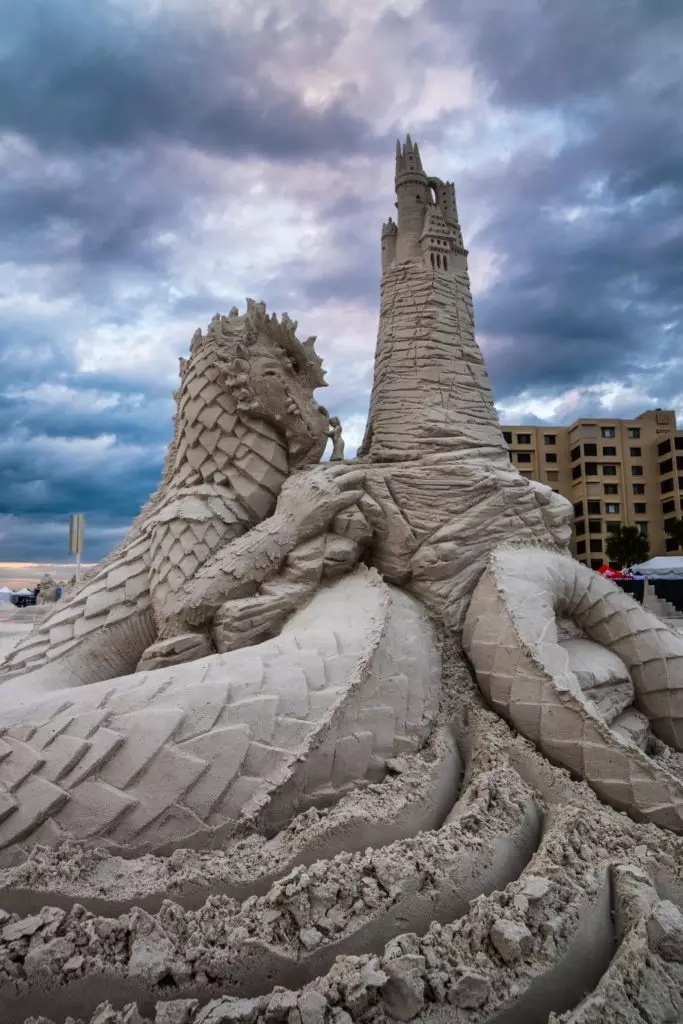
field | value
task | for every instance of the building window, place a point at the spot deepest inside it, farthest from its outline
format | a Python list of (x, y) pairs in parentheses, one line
[(507, 436), (609, 470), (678, 444), (576, 472), (640, 508), (609, 449), (668, 523), (523, 438), (550, 439), (671, 544), (580, 527), (636, 470), (594, 508), (595, 526), (581, 547), (611, 488), (445, 262), (608, 432), (552, 474), (635, 453), (596, 546), (591, 469), (679, 462), (667, 485), (668, 506), (634, 432), (664, 447), (666, 466), (523, 456), (642, 529), (638, 488), (596, 563), (550, 457), (578, 508), (575, 453), (612, 527), (590, 449), (612, 508), (526, 473), (680, 483)]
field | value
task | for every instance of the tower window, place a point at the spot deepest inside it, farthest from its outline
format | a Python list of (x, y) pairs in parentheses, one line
[(432, 256), (445, 263)]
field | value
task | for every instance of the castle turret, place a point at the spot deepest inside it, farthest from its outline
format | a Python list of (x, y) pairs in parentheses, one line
[(389, 236), (412, 194), (431, 392), (436, 240)]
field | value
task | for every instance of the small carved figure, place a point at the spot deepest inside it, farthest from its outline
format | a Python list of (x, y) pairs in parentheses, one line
[(337, 440)]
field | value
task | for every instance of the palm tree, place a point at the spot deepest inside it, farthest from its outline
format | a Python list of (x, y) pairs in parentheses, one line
[(627, 546), (675, 531)]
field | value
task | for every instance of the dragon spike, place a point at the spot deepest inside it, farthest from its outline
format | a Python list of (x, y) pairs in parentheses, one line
[(233, 312), (182, 366)]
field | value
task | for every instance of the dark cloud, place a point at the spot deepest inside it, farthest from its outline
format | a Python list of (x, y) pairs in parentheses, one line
[(590, 228), (103, 75), (130, 130)]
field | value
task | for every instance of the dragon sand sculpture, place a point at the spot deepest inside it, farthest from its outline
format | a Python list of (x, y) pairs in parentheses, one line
[(247, 772)]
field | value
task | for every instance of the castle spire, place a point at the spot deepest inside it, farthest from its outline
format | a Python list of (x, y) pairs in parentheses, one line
[(431, 392)]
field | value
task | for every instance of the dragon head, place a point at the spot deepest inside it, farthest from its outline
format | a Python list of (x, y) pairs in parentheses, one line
[(272, 376)]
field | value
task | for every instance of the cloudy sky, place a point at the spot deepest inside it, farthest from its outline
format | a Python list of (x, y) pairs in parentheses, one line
[(162, 159)]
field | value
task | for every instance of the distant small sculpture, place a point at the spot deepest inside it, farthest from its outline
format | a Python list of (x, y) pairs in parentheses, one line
[(47, 590), (337, 440)]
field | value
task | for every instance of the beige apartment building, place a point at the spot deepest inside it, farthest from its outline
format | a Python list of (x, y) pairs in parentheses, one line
[(613, 471)]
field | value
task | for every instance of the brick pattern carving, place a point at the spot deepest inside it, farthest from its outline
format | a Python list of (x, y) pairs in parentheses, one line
[(253, 736), (511, 639)]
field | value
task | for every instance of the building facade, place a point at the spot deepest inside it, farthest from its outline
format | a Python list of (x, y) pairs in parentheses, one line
[(613, 471)]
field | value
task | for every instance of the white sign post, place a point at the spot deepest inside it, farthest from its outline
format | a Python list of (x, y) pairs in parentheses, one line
[(76, 535)]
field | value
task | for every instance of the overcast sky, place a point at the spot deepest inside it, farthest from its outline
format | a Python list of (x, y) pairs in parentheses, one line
[(162, 159)]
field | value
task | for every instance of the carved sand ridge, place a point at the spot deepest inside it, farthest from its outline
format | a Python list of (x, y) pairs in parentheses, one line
[(511, 638), (534, 947), (331, 826), (231, 741)]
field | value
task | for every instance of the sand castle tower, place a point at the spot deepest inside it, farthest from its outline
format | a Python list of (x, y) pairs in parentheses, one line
[(431, 391)]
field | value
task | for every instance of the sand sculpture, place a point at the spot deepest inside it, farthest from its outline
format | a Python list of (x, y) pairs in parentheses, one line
[(248, 774), (48, 590)]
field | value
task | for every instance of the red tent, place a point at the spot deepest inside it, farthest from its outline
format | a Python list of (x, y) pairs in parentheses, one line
[(611, 574)]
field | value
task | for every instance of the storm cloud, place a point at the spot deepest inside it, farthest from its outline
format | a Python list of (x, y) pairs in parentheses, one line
[(159, 161)]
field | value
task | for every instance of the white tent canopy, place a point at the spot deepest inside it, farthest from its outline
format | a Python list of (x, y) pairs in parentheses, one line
[(662, 567), (24, 593)]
